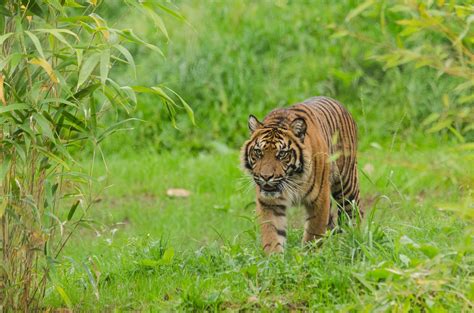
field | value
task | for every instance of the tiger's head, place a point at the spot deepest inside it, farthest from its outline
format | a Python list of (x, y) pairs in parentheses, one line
[(274, 154)]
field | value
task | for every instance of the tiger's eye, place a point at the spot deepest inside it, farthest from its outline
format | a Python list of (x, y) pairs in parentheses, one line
[(282, 154), (258, 152)]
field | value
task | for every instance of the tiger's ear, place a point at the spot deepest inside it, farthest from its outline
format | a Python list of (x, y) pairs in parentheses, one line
[(254, 124), (298, 126)]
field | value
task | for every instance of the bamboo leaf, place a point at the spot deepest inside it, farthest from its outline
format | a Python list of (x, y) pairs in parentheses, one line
[(156, 19), (58, 34), (101, 25), (59, 100), (52, 156), (91, 280), (47, 67), (73, 4), (84, 92), (5, 37), (130, 93), (73, 121), (64, 296), (129, 58), (87, 68), (130, 35), (4, 167), (36, 42), (358, 10), (58, 221), (170, 11), (104, 65), (153, 90), (13, 107), (114, 128), (20, 151), (79, 56), (187, 107), (116, 94), (44, 125), (73, 210)]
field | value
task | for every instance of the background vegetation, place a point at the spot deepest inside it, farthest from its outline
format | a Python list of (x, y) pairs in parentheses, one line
[(403, 69), (252, 57)]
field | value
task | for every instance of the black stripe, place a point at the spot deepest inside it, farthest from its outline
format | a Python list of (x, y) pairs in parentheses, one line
[(274, 207), (279, 121), (347, 166), (341, 193), (299, 108), (350, 131), (324, 112), (311, 187), (247, 155), (269, 244), (281, 232), (321, 124), (278, 209), (302, 111), (331, 107), (328, 118), (322, 182), (312, 234), (311, 217), (348, 192), (300, 151)]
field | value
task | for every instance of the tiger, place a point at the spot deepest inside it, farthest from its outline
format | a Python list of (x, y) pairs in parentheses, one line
[(304, 154)]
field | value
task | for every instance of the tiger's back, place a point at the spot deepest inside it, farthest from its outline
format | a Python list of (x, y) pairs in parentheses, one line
[(340, 134)]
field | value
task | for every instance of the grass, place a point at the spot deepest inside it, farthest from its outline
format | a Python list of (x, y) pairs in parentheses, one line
[(149, 251)]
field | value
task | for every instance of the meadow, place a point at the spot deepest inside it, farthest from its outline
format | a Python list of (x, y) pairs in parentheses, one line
[(152, 252), (143, 250)]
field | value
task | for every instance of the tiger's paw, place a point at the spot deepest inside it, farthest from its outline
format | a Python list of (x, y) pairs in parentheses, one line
[(271, 248)]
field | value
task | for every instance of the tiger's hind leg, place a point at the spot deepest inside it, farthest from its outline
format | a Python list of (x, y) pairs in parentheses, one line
[(346, 195), (348, 208), (318, 214)]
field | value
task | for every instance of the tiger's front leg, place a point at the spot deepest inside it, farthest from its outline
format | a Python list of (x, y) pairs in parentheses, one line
[(318, 215), (272, 219)]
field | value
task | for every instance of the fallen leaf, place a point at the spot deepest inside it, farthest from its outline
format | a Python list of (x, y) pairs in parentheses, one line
[(252, 299), (178, 193), (369, 168)]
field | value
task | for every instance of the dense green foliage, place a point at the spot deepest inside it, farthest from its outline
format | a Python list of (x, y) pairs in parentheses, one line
[(57, 97)]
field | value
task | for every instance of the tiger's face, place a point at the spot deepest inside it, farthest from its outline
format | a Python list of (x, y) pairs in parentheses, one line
[(274, 156)]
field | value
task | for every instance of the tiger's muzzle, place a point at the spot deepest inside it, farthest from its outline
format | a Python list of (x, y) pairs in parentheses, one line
[(270, 186)]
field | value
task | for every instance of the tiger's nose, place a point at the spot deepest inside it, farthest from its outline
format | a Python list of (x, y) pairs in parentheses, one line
[(266, 177)]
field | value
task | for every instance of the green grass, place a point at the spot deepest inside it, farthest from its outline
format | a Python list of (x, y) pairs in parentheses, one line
[(149, 251)]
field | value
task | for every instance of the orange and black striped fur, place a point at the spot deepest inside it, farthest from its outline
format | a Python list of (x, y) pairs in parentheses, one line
[(302, 154)]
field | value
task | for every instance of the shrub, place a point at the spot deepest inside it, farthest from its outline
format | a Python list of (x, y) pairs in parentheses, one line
[(427, 34)]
